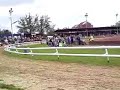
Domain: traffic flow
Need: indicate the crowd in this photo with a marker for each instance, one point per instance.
(58, 41)
(18, 39)
(52, 41)
(11, 40)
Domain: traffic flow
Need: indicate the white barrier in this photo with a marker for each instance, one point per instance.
(30, 52)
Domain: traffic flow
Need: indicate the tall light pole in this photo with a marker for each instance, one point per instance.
(86, 15)
(116, 22)
(10, 12)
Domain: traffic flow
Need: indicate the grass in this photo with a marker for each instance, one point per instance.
(8, 87)
(72, 59)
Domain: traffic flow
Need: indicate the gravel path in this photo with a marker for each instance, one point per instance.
(45, 75)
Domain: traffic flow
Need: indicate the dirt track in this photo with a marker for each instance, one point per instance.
(106, 40)
(43, 75)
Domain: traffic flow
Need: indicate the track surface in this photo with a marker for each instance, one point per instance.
(106, 40)
(45, 75)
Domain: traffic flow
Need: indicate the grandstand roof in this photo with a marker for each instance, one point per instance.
(87, 29)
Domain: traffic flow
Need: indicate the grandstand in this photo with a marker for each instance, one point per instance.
(102, 35)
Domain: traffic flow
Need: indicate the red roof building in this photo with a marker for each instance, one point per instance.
(83, 25)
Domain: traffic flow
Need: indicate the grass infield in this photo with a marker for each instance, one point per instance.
(102, 61)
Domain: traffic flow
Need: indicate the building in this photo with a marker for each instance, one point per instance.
(83, 25)
(88, 31)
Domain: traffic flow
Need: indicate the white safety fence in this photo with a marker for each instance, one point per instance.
(29, 51)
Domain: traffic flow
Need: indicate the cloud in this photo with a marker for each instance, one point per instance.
(14, 2)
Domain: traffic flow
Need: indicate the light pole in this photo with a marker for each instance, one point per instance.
(10, 12)
(86, 15)
(116, 22)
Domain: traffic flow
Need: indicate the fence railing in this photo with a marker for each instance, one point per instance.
(29, 51)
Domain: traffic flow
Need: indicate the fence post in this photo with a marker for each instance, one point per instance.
(31, 51)
(57, 54)
(106, 53)
(16, 50)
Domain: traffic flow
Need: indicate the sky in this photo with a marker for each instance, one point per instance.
(62, 13)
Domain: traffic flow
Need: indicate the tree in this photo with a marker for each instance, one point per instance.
(26, 24)
(118, 24)
(29, 24)
(5, 32)
(45, 25)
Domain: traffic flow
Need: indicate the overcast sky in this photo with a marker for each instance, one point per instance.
(63, 13)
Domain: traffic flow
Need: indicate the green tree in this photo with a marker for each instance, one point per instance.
(5, 32)
(29, 24)
(118, 23)
(45, 25)
(26, 24)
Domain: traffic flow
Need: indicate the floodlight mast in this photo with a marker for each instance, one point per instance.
(86, 15)
(10, 12)
(116, 23)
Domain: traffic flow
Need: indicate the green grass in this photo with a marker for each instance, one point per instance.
(8, 86)
(72, 59)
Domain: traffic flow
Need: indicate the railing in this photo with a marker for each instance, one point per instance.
(29, 51)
